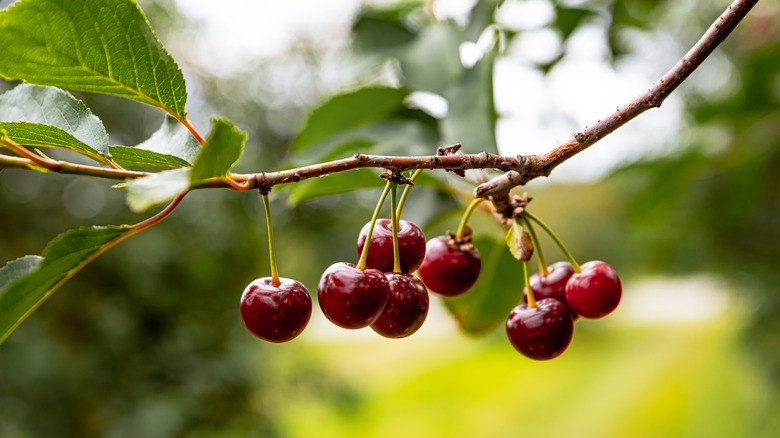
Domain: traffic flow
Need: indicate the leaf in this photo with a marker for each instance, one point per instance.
(171, 146)
(471, 118)
(519, 243)
(379, 28)
(144, 193)
(127, 156)
(34, 279)
(349, 110)
(18, 268)
(50, 117)
(222, 149)
(334, 184)
(39, 135)
(498, 289)
(567, 20)
(90, 45)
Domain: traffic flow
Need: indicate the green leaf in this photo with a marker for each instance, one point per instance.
(567, 20)
(432, 61)
(31, 280)
(471, 117)
(349, 110)
(171, 146)
(128, 156)
(18, 268)
(334, 184)
(90, 45)
(378, 28)
(498, 289)
(39, 135)
(144, 193)
(50, 117)
(222, 149)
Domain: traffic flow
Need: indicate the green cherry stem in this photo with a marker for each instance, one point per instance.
(364, 253)
(539, 254)
(408, 187)
(465, 219)
(274, 272)
(530, 292)
(557, 240)
(394, 221)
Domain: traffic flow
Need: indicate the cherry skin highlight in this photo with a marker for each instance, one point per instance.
(542, 332)
(449, 269)
(275, 313)
(595, 292)
(552, 285)
(411, 245)
(406, 308)
(352, 298)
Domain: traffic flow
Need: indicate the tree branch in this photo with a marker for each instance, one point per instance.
(518, 170)
(542, 165)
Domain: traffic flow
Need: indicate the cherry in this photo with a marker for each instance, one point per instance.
(542, 332)
(552, 285)
(350, 297)
(411, 245)
(407, 307)
(595, 291)
(275, 313)
(449, 268)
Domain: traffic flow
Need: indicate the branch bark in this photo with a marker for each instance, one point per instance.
(518, 170)
(543, 165)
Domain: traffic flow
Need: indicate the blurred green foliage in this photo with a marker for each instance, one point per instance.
(147, 340)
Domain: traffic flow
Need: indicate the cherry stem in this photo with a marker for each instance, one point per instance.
(557, 240)
(364, 254)
(530, 292)
(274, 272)
(465, 219)
(408, 187)
(539, 255)
(394, 221)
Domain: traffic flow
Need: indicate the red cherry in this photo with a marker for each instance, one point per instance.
(595, 291)
(406, 308)
(275, 313)
(552, 285)
(542, 332)
(449, 269)
(411, 245)
(352, 298)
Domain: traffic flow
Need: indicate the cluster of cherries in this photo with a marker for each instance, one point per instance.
(381, 292)
(542, 327)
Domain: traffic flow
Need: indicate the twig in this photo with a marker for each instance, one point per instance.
(542, 165)
(66, 167)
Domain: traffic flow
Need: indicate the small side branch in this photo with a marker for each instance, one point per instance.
(542, 165)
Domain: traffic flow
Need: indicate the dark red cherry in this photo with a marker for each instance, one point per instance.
(406, 308)
(411, 245)
(542, 332)
(595, 292)
(275, 313)
(352, 298)
(449, 268)
(552, 285)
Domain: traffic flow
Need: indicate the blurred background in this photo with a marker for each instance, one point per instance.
(684, 202)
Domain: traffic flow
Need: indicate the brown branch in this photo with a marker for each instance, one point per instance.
(483, 160)
(34, 159)
(542, 165)
(65, 167)
(518, 170)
